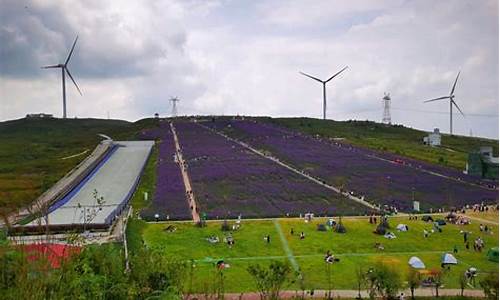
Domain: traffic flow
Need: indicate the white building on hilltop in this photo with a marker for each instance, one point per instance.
(433, 139)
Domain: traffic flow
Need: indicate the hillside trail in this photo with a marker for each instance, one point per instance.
(185, 177)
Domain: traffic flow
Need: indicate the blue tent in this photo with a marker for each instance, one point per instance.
(448, 259)
(416, 263)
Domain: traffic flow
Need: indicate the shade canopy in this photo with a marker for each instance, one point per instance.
(448, 259)
(416, 263)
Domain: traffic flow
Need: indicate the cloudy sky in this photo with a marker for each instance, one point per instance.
(243, 57)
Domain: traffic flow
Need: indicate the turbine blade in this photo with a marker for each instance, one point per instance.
(50, 67)
(69, 74)
(312, 77)
(336, 74)
(436, 99)
(455, 84)
(454, 103)
(71, 52)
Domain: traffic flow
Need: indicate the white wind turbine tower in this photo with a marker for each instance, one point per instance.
(324, 82)
(64, 70)
(452, 102)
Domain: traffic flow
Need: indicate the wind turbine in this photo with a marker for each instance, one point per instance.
(64, 70)
(452, 102)
(324, 82)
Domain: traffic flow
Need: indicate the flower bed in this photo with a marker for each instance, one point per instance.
(229, 180)
(169, 200)
(381, 178)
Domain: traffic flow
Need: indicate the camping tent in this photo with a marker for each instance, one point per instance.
(402, 227)
(416, 263)
(492, 254)
(448, 259)
(427, 218)
(441, 222)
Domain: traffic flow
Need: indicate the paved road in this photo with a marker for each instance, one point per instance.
(185, 177)
(421, 292)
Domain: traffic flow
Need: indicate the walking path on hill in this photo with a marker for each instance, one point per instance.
(293, 169)
(479, 219)
(185, 176)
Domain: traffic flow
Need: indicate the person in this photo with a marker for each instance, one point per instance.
(426, 233)
(302, 235)
(291, 231)
(481, 227)
(268, 239)
(465, 236)
(402, 296)
(455, 249)
(486, 228)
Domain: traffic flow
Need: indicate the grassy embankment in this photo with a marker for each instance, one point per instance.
(36, 153)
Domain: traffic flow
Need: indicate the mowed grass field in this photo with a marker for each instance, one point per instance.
(354, 249)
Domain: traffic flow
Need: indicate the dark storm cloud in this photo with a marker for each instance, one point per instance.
(111, 44)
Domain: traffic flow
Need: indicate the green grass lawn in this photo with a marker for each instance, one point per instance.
(354, 249)
(147, 182)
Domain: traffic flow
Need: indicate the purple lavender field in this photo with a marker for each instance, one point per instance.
(229, 180)
(364, 172)
(169, 200)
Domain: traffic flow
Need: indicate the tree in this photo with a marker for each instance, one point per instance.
(270, 280)
(360, 279)
(462, 282)
(490, 286)
(438, 281)
(413, 280)
(384, 281)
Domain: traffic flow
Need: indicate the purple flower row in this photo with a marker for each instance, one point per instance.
(362, 171)
(169, 201)
(229, 180)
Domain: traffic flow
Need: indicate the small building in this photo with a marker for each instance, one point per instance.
(433, 139)
(39, 116)
(482, 164)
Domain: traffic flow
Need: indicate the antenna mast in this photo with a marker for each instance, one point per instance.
(386, 118)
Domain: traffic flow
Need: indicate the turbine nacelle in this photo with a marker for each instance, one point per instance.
(64, 71)
(451, 97)
(324, 82)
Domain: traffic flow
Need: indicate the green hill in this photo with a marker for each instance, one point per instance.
(32, 152)
(395, 138)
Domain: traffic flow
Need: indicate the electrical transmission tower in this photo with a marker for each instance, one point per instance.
(174, 101)
(386, 118)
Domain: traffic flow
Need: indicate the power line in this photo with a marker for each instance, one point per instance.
(423, 111)
(446, 113)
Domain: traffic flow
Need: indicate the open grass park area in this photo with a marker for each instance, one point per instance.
(354, 249)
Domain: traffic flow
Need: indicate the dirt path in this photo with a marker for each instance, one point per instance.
(185, 177)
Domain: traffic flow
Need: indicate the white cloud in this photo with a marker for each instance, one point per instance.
(228, 57)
